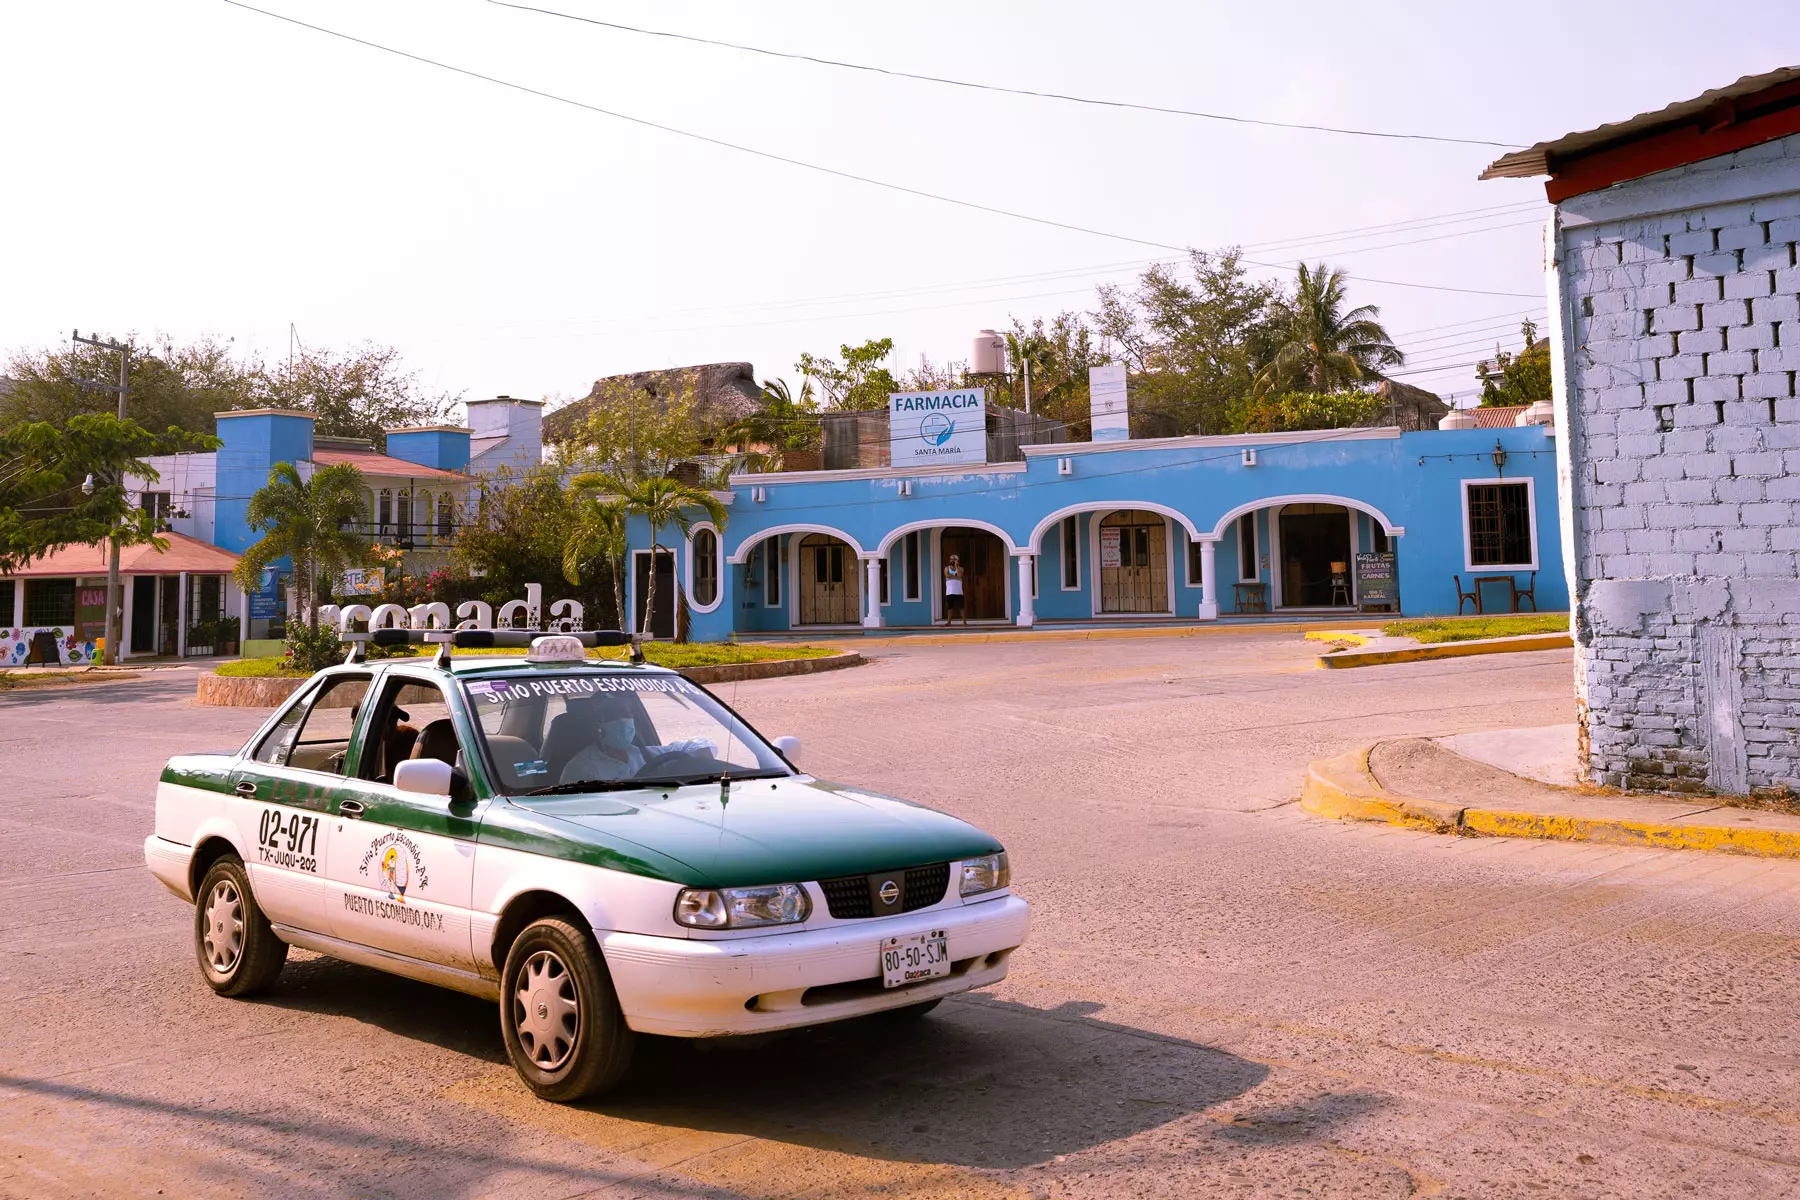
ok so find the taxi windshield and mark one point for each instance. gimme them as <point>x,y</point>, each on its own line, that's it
<point>578,731</point>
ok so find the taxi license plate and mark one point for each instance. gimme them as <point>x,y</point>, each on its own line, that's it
<point>910,959</point>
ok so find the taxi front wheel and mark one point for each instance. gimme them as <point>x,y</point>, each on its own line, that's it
<point>564,1031</point>
<point>239,954</point>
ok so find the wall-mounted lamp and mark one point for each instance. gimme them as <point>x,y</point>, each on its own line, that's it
<point>906,487</point>
<point>1499,456</point>
<point>1249,456</point>
<point>758,495</point>
<point>1065,466</point>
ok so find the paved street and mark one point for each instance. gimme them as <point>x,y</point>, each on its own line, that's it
<point>1222,994</point>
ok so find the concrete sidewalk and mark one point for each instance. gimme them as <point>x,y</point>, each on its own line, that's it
<point>1444,786</point>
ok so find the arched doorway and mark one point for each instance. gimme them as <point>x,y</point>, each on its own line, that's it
<point>983,559</point>
<point>1134,562</point>
<point>826,581</point>
<point>1315,541</point>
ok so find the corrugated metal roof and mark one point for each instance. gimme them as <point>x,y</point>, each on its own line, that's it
<point>1497,416</point>
<point>1538,159</point>
<point>371,463</point>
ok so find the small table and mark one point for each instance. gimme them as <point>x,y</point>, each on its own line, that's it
<point>1512,595</point>
<point>1251,597</point>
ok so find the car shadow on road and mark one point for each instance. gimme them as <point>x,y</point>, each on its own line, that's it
<point>981,1082</point>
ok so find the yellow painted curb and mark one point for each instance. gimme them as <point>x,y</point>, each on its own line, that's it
<point>975,637</point>
<point>1511,645</point>
<point>1344,789</point>
<point>1325,635</point>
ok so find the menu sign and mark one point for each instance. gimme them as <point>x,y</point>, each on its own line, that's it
<point>90,614</point>
<point>1109,547</point>
<point>1377,581</point>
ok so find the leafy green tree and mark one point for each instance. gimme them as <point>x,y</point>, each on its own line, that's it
<point>1193,346</point>
<point>629,432</point>
<point>662,503</point>
<point>173,385</point>
<point>597,531</point>
<point>1290,411</point>
<point>359,393</point>
<point>860,383</point>
<point>62,482</point>
<point>1321,347</point>
<point>1059,354</point>
<point>1522,378</point>
<point>307,521</point>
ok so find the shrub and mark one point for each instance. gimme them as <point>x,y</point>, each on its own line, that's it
<point>310,650</point>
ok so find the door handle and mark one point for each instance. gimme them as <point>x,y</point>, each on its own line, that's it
<point>350,808</point>
<point>246,788</point>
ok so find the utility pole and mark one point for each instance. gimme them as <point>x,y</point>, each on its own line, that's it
<point>115,597</point>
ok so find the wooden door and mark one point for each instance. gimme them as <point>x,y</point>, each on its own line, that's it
<point>663,626</point>
<point>1134,563</point>
<point>983,559</point>
<point>827,581</point>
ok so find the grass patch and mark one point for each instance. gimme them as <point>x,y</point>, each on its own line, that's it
<point>662,654</point>
<point>1463,629</point>
<point>18,681</point>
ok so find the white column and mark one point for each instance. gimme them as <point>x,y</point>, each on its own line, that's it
<point>181,617</point>
<point>127,586</point>
<point>1209,582</point>
<point>1027,614</point>
<point>18,612</point>
<point>872,593</point>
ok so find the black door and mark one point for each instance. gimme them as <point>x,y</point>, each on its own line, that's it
<point>171,613</point>
<point>664,625</point>
<point>1313,537</point>
<point>143,614</point>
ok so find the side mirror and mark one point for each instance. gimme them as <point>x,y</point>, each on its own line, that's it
<point>425,776</point>
<point>788,744</point>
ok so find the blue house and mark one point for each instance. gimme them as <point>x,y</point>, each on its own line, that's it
<point>1167,530</point>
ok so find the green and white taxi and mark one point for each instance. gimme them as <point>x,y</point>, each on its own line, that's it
<point>602,847</point>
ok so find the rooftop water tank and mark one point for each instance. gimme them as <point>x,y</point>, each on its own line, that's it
<point>1458,418</point>
<point>987,356</point>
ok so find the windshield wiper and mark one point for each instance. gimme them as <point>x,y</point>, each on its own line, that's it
<point>591,785</point>
<point>714,777</point>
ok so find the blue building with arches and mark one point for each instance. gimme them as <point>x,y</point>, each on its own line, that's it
<point>1165,530</point>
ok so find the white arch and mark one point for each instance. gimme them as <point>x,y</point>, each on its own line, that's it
<point>1035,546</point>
<point>1307,498</point>
<point>895,534</point>
<point>742,555</point>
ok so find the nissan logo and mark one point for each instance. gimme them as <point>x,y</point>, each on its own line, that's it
<point>890,892</point>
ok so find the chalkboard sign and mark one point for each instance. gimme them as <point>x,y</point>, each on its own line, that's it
<point>1377,582</point>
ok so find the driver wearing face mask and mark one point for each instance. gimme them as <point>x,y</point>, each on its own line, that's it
<point>613,754</point>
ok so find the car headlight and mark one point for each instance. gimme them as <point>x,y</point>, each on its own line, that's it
<point>989,873</point>
<point>742,907</point>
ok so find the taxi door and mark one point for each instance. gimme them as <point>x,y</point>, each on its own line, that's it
<point>401,868</point>
<point>285,794</point>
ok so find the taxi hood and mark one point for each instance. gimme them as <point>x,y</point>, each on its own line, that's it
<point>787,830</point>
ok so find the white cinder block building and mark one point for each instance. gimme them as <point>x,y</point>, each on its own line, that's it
<point>1675,319</point>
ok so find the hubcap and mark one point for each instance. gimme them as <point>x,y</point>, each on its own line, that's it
<point>545,1011</point>
<point>223,941</point>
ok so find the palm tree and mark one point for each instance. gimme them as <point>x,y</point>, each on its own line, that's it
<point>307,521</point>
<point>784,422</point>
<point>1322,346</point>
<point>661,501</point>
<point>598,531</point>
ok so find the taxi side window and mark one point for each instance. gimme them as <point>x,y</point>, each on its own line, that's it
<point>319,741</point>
<point>412,721</point>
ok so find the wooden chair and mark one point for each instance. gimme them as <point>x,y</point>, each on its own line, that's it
<point>1526,593</point>
<point>1471,596</point>
<point>1340,583</point>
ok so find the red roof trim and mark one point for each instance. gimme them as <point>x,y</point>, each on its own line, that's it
<point>1717,131</point>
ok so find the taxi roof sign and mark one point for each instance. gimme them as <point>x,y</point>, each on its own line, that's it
<point>556,647</point>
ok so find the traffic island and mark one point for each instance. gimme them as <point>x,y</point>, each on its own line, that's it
<point>1417,783</point>
<point>267,691</point>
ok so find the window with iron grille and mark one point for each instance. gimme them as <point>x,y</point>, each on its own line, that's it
<point>1071,555</point>
<point>912,566</point>
<point>1249,570</point>
<point>1499,524</point>
<point>6,600</point>
<point>50,602</point>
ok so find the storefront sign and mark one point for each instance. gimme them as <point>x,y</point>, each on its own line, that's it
<point>265,601</point>
<point>1377,581</point>
<point>931,429</point>
<point>1107,404</point>
<point>90,614</point>
<point>1109,547</point>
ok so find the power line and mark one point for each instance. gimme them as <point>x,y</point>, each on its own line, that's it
<point>794,162</point>
<point>991,87</point>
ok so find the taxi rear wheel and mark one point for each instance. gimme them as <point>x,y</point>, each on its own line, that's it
<point>239,954</point>
<point>564,1031</point>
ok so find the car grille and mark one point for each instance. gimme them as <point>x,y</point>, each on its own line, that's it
<point>848,898</point>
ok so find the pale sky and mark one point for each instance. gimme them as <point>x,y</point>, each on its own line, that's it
<point>190,167</point>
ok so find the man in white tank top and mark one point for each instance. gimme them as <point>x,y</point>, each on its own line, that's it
<point>953,592</point>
